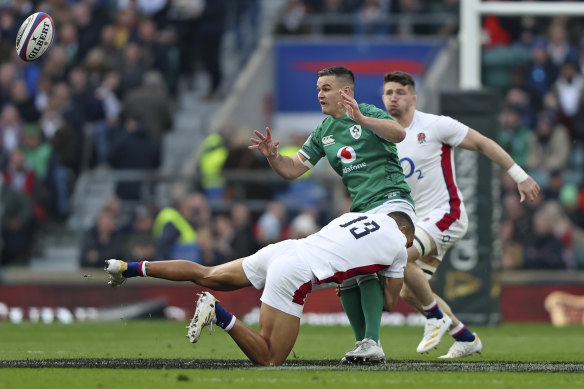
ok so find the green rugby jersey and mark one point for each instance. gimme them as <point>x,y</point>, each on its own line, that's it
<point>368,164</point>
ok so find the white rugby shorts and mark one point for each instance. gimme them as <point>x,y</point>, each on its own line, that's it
<point>447,238</point>
<point>285,277</point>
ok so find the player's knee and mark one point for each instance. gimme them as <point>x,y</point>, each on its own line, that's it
<point>209,277</point>
<point>270,360</point>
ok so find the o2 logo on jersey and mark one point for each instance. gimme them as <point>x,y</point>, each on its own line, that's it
<point>347,154</point>
<point>409,168</point>
<point>355,131</point>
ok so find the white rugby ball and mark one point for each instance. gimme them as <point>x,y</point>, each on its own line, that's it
<point>35,36</point>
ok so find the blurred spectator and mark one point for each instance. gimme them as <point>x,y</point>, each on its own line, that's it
<point>132,68</point>
<point>150,104</point>
<point>406,10</point>
<point>8,30</point>
<point>134,149</point>
<point>450,9</point>
<point>559,48</point>
<point>304,224</point>
<point>21,177</point>
<point>185,14</point>
<point>512,250</point>
<point>209,255</point>
<point>37,154</point>
<point>158,51</point>
<point>108,102</point>
<point>10,128</point>
<point>514,137</point>
<point>568,89</point>
<point>126,24</point>
<point>17,225</point>
<point>7,78</point>
<point>543,249</point>
<point>333,12</point>
<point>540,71</point>
<point>554,184</point>
<point>518,215</point>
<point>549,145</point>
<point>496,34</point>
<point>102,241</point>
<point>209,35</point>
<point>371,19</point>
<point>243,241</point>
<point>175,227</point>
<point>68,39</point>
<point>241,159</point>
<point>213,153</point>
<point>89,17</point>
<point>519,99</point>
<point>140,244</point>
<point>56,64</point>
<point>291,22</point>
<point>569,200</point>
<point>271,226</point>
<point>23,102</point>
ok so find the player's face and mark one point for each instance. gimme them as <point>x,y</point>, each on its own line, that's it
<point>398,99</point>
<point>328,95</point>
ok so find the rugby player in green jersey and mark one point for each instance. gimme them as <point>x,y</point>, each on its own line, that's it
<point>358,140</point>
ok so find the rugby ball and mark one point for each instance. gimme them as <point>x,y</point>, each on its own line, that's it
<point>35,36</point>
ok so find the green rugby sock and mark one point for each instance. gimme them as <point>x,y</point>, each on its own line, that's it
<point>372,306</point>
<point>351,300</point>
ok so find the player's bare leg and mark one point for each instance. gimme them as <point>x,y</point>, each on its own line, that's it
<point>416,289</point>
<point>273,343</point>
<point>228,276</point>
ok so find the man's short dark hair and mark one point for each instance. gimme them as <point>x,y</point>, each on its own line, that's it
<point>402,219</point>
<point>345,74</point>
<point>403,78</point>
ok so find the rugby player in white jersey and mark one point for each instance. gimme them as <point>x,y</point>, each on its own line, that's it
<point>427,158</point>
<point>351,245</point>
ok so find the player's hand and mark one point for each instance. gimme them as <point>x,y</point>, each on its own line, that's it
<point>265,144</point>
<point>528,189</point>
<point>351,106</point>
<point>338,290</point>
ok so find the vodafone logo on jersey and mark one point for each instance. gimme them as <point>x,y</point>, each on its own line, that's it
<point>347,154</point>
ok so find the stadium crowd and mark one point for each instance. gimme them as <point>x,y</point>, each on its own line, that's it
<point>104,95</point>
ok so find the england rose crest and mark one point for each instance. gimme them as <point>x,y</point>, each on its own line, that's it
<point>421,138</point>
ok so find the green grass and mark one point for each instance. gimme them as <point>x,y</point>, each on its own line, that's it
<point>165,339</point>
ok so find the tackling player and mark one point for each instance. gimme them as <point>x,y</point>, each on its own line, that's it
<point>350,245</point>
<point>427,157</point>
<point>358,142</point>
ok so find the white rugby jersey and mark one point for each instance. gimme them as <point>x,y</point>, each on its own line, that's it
<point>427,158</point>
<point>353,244</point>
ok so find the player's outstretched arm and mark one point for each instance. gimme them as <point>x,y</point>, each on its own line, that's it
<point>286,167</point>
<point>388,129</point>
<point>475,141</point>
<point>391,289</point>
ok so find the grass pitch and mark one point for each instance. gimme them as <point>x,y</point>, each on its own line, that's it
<point>154,353</point>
